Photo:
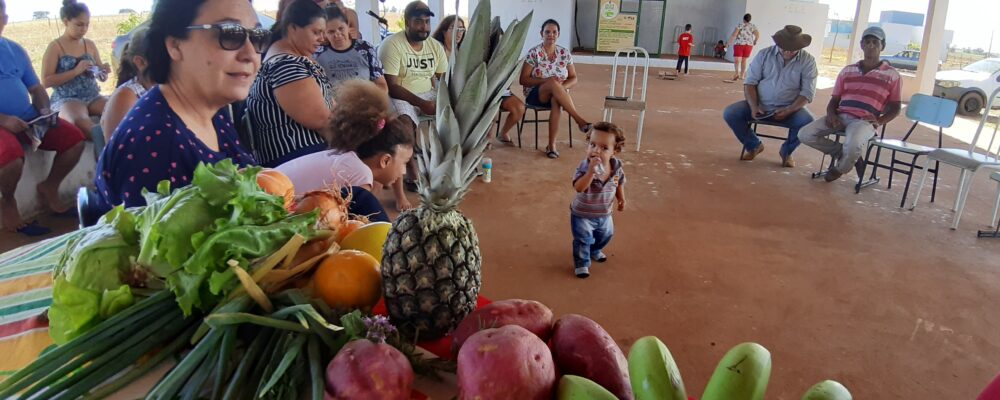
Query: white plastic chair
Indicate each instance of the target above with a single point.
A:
(969, 160)
(996, 203)
(629, 59)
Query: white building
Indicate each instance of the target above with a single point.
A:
(903, 30)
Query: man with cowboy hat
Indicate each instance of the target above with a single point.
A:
(779, 84)
(866, 95)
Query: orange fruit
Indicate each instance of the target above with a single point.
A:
(347, 228)
(347, 280)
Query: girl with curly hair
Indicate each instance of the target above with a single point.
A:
(369, 147)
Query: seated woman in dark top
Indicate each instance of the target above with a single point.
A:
(203, 58)
(346, 58)
(291, 99)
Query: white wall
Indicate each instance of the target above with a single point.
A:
(723, 15)
(36, 168)
(771, 16)
(559, 10)
(898, 36)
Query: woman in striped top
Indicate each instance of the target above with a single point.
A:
(291, 99)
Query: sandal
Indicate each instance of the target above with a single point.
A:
(508, 142)
(552, 154)
(33, 229)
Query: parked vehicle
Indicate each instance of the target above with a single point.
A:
(906, 59)
(118, 45)
(969, 85)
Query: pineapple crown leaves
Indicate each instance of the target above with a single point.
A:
(468, 99)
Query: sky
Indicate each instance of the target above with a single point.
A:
(974, 21)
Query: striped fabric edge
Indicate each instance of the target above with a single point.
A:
(12, 259)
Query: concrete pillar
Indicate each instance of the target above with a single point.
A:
(437, 7)
(366, 24)
(931, 47)
(861, 15)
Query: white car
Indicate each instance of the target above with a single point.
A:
(969, 86)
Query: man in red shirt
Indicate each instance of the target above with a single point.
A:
(685, 42)
(866, 95)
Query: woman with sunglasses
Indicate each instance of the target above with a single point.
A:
(203, 55)
(291, 100)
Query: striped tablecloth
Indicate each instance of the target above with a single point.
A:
(25, 295)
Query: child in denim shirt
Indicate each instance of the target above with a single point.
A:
(599, 181)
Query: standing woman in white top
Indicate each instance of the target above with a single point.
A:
(132, 83)
(743, 39)
(547, 74)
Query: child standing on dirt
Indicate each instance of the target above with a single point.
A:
(599, 181)
(685, 43)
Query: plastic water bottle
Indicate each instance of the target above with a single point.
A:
(600, 169)
(487, 170)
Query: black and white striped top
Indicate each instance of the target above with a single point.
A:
(275, 134)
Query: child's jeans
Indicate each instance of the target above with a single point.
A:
(590, 235)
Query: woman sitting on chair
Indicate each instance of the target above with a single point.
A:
(547, 74)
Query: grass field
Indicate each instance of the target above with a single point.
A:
(35, 36)
(831, 64)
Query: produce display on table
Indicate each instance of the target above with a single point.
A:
(431, 261)
(242, 291)
(251, 300)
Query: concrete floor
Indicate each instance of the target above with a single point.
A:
(713, 251)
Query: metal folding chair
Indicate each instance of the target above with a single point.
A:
(996, 205)
(624, 97)
(536, 109)
(753, 125)
(934, 111)
(969, 160)
(500, 120)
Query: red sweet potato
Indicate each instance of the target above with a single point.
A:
(528, 314)
(367, 370)
(582, 347)
(505, 363)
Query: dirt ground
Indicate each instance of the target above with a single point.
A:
(713, 251)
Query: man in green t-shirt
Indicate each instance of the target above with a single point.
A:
(411, 62)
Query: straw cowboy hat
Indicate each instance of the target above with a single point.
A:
(791, 38)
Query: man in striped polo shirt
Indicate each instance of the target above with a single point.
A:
(866, 95)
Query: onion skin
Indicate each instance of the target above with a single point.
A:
(274, 182)
(331, 205)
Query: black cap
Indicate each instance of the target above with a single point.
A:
(416, 9)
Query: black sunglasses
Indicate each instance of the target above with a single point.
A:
(233, 36)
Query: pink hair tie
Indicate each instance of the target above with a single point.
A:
(381, 124)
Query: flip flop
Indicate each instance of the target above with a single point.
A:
(552, 154)
(508, 142)
(32, 229)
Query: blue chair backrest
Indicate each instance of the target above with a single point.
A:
(932, 110)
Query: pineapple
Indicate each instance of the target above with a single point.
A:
(431, 263)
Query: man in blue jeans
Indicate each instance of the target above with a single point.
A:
(779, 84)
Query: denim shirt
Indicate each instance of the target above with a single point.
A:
(778, 83)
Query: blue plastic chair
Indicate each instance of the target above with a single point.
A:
(934, 111)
